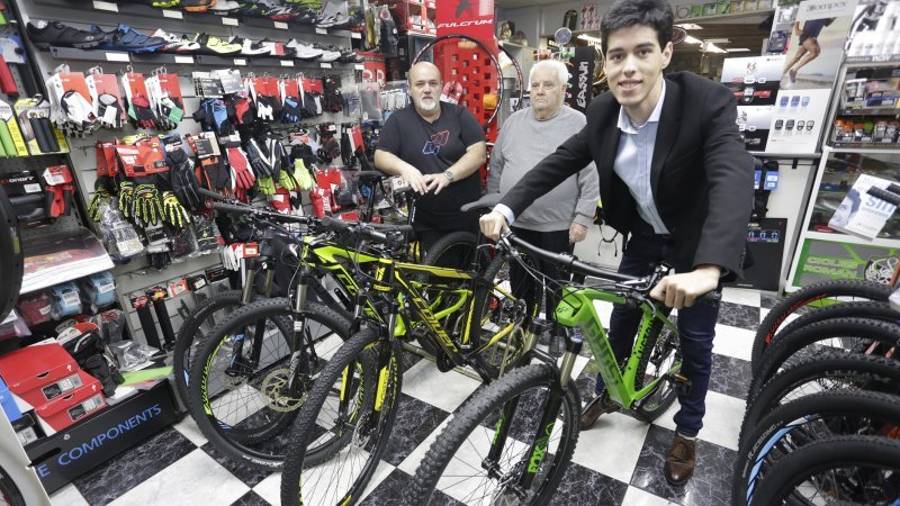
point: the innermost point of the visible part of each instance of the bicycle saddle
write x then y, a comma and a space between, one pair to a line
487, 201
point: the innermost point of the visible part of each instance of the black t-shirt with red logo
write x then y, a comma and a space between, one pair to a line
433, 148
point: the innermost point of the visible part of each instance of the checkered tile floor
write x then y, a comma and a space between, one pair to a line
619, 461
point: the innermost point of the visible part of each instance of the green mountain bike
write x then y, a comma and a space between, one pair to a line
511, 442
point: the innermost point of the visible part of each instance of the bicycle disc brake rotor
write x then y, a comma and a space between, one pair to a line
273, 390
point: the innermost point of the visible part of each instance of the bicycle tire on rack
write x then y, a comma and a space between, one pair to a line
469, 417
362, 348
790, 424
860, 309
870, 372
783, 349
768, 328
231, 441
821, 455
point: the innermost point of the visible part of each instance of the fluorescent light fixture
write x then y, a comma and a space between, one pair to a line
689, 26
589, 38
692, 40
738, 49
712, 48
718, 41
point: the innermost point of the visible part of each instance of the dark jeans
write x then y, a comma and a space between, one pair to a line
696, 329
527, 288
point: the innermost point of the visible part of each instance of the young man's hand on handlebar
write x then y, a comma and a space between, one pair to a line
682, 290
493, 224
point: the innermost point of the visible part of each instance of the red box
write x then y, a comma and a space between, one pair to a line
40, 372
74, 406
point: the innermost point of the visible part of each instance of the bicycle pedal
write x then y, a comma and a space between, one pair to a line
680, 378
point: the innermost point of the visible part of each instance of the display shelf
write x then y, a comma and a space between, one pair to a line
799, 156
54, 259
842, 147
871, 111
852, 239
148, 11
864, 60
74, 54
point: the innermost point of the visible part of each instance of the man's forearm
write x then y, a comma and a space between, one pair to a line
470, 162
390, 163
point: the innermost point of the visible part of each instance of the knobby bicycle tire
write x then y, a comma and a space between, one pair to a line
859, 309
648, 413
860, 371
783, 349
844, 409
361, 348
231, 440
485, 402
807, 295
821, 455
9, 491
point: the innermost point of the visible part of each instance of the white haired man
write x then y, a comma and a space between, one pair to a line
560, 218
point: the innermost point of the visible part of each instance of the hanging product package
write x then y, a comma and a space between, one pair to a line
139, 110
107, 98
166, 101
40, 136
71, 103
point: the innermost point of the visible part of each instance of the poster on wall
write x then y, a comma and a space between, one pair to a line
755, 82
811, 35
827, 260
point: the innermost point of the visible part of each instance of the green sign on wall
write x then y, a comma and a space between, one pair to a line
826, 260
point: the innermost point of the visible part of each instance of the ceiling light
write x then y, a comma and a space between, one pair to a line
738, 49
692, 40
712, 48
588, 38
718, 41
689, 26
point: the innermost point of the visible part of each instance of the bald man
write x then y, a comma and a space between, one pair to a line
437, 148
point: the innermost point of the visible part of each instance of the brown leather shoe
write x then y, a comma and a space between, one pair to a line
680, 461
599, 405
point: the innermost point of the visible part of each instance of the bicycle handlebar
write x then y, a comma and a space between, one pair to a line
262, 213
572, 264
890, 195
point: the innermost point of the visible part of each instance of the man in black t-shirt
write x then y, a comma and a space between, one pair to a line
437, 148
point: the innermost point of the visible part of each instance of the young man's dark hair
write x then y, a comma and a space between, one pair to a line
656, 14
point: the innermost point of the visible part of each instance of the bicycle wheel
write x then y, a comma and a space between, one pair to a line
660, 354
844, 289
846, 470
822, 336
496, 310
833, 370
193, 330
800, 422
10, 495
458, 463
860, 309
243, 396
456, 250
318, 436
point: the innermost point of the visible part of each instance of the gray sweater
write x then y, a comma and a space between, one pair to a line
523, 142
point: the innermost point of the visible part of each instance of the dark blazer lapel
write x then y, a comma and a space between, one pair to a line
606, 158
666, 133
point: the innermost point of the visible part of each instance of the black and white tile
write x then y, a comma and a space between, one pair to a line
618, 462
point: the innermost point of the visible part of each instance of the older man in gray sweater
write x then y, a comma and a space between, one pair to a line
559, 219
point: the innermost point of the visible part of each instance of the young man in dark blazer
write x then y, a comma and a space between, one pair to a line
675, 178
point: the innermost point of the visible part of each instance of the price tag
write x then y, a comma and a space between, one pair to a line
287, 63
122, 57
109, 115
322, 31
106, 287
325, 65
106, 6
230, 21
281, 25
359, 66
240, 62
355, 35
172, 14
184, 59
71, 299
32, 188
